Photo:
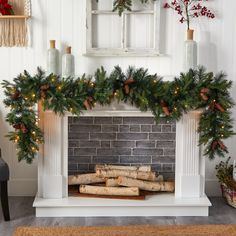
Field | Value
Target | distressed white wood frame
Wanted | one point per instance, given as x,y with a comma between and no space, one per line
123,50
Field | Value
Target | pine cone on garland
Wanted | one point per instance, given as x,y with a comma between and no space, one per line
219,107
15,95
165,108
203,94
43,90
23,129
214,145
127,83
87,103
17,126
44,87
205,90
221,144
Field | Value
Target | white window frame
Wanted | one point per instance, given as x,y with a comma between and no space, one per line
123,51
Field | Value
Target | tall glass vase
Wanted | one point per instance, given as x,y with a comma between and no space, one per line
68,63
53,59
190,52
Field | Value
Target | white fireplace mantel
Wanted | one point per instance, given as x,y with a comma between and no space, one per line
52,199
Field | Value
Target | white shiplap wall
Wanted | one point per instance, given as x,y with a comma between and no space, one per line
64,21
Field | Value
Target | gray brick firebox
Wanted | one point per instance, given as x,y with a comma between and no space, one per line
123,141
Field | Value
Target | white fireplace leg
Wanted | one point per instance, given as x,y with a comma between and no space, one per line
190,165
52,174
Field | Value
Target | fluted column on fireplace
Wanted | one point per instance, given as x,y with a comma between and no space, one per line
190,164
52,177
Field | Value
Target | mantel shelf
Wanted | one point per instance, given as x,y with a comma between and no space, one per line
14,17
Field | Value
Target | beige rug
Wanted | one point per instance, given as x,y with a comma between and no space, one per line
141,230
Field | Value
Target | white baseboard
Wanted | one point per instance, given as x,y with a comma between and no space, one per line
22,187
28,187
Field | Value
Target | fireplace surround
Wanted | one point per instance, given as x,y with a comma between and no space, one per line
52,198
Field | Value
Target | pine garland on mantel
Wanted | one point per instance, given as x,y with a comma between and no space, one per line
195,89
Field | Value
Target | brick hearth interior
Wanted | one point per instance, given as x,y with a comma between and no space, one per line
121,140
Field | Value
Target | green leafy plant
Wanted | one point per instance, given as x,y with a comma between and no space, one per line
195,89
224,174
121,5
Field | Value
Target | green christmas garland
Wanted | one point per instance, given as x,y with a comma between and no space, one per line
193,90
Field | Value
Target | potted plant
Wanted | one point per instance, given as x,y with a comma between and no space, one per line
6,8
228,185
188,10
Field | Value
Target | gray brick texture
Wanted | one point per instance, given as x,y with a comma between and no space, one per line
123,141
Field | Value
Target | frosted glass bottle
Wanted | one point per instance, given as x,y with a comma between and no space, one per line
53,59
190,52
68,63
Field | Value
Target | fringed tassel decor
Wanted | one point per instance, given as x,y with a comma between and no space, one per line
14,32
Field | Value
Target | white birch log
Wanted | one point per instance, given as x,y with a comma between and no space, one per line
114,167
151,176
112,182
114,191
146,185
85,179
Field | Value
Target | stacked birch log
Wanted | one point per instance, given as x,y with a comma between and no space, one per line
120,181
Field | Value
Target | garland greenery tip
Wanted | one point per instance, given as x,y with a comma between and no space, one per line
125,5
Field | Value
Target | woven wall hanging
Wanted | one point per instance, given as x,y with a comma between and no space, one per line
14,29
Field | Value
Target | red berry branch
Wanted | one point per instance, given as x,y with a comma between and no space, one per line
6,8
188,9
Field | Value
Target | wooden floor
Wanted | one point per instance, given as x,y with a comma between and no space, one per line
22,214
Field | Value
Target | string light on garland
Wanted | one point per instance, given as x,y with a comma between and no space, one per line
196,89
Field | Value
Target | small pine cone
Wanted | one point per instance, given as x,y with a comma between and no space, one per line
214,145
42,94
15,95
129,81
23,129
222,146
204,96
87,104
219,107
90,99
205,90
44,87
127,89
166,110
17,126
